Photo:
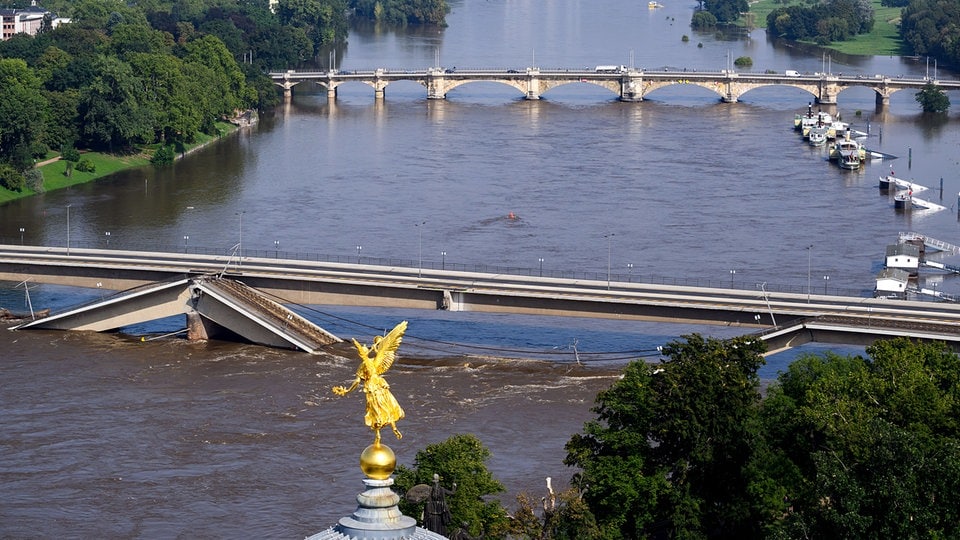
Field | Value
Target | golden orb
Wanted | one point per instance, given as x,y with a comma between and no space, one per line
378,461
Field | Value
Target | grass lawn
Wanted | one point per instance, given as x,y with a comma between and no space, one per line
106,164
884,40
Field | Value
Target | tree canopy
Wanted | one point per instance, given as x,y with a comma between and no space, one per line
459,460
840,447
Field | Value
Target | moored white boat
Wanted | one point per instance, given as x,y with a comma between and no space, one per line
817,136
848,153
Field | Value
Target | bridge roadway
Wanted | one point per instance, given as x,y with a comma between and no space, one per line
784,320
627,84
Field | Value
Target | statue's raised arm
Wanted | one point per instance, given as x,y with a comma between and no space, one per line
382,407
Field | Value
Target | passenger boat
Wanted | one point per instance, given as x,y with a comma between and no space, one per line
848,153
654,5
817,136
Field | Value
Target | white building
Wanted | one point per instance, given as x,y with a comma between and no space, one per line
26,21
892,282
905,256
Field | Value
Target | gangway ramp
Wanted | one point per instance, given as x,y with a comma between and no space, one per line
939,245
215,307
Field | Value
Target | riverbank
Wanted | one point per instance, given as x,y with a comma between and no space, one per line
884,40
104,165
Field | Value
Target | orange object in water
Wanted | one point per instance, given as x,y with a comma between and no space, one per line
511,215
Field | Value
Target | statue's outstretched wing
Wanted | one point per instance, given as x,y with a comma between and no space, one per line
387,347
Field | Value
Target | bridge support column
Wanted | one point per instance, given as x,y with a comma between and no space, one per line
828,94
631,89
435,88
331,92
883,101
288,90
533,84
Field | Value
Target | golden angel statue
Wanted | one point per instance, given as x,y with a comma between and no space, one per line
382,407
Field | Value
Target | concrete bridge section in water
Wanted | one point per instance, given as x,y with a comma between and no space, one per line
215,307
784,320
628,84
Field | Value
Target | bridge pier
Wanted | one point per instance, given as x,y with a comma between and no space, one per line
828,93
631,90
883,101
332,92
533,84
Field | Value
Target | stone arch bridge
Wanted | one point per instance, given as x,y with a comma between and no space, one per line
627,84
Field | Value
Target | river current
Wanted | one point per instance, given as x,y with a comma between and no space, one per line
112,436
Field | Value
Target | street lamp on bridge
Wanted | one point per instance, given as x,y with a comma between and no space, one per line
608,237
541,266
185,239
107,236
22,230
419,227
68,229
359,247
443,260
826,279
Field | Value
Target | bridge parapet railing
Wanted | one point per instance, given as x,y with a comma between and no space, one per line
617,276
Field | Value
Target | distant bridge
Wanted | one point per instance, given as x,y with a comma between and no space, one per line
627,84
784,320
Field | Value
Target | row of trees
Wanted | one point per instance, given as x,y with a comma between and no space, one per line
932,28
839,447
121,76
832,20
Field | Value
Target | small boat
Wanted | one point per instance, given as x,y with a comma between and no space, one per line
902,200
817,136
848,153
654,5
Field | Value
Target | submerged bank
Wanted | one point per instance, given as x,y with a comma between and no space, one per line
104,165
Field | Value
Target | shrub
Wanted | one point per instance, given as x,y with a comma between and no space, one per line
743,62
163,156
70,154
11,178
85,165
34,180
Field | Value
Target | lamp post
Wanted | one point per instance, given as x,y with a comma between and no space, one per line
107,235
609,252
809,251
630,272
443,260
22,230
240,239
359,247
419,227
540,260
826,279
732,273
185,239
68,229
276,249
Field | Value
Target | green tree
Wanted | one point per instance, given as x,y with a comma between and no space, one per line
23,111
672,450
222,79
176,117
932,99
323,21
459,460
703,19
869,448
113,109
726,11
